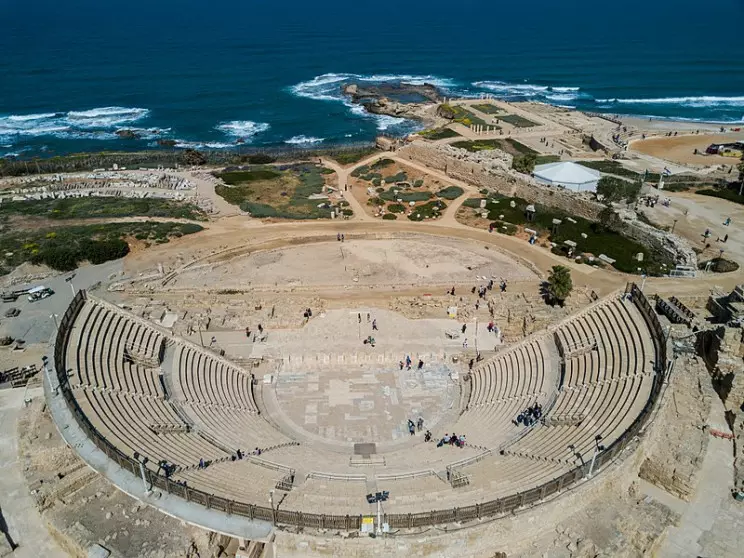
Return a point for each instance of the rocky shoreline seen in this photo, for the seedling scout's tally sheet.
(381, 98)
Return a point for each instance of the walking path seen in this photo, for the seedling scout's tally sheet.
(713, 523)
(24, 524)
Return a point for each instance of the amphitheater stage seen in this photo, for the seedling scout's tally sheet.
(360, 403)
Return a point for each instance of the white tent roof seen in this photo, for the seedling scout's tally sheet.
(566, 172)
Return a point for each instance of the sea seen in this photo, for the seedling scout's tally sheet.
(268, 73)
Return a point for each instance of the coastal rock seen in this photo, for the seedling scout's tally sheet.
(358, 92)
(166, 142)
(128, 134)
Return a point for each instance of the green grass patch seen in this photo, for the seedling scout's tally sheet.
(600, 239)
(432, 210)
(396, 208)
(723, 193)
(438, 134)
(545, 159)
(352, 156)
(518, 121)
(382, 163)
(504, 228)
(405, 195)
(240, 177)
(488, 108)
(102, 207)
(616, 168)
(398, 177)
(390, 216)
(360, 171)
(64, 248)
(284, 194)
(450, 192)
(473, 203)
(460, 114)
(508, 145)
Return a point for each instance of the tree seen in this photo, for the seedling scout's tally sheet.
(524, 163)
(560, 284)
(192, 158)
(741, 170)
(616, 189)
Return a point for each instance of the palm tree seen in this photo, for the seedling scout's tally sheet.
(559, 285)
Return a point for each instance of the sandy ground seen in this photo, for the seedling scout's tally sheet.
(404, 262)
(703, 212)
(680, 149)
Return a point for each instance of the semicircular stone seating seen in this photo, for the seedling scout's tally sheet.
(170, 400)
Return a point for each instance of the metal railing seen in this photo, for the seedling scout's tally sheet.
(500, 506)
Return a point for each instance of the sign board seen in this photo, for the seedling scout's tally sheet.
(368, 524)
(452, 312)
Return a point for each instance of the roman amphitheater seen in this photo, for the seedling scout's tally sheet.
(369, 388)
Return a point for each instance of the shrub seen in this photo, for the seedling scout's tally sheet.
(390, 216)
(260, 159)
(359, 171)
(399, 177)
(418, 183)
(450, 192)
(396, 208)
(524, 163)
(347, 212)
(719, 265)
(193, 158)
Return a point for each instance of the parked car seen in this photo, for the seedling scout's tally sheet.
(12, 312)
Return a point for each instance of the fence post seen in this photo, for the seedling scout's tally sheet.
(478, 511)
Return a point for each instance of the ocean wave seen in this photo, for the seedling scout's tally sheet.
(303, 140)
(530, 91)
(697, 102)
(184, 144)
(242, 128)
(98, 123)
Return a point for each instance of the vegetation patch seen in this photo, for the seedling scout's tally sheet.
(719, 265)
(488, 108)
(545, 159)
(472, 202)
(460, 114)
(397, 177)
(382, 163)
(600, 237)
(438, 134)
(616, 168)
(508, 145)
(504, 228)
(63, 248)
(518, 121)
(102, 207)
(524, 163)
(396, 208)
(282, 192)
(616, 189)
(352, 156)
(450, 192)
(726, 193)
(405, 195)
(390, 217)
(432, 210)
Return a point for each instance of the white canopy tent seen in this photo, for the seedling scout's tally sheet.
(569, 175)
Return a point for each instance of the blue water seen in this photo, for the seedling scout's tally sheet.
(269, 72)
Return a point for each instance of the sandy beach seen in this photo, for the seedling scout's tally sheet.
(681, 149)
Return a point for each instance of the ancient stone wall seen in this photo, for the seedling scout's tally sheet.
(657, 240)
(677, 445)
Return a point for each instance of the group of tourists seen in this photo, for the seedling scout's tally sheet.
(453, 440)
(408, 362)
(529, 416)
(414, 426)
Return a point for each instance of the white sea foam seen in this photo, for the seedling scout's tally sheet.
(243, 129)
(531, 91)
(303, 140)
(700, 102)
(184, 144)
(98, 123)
